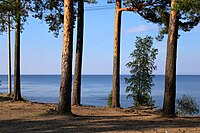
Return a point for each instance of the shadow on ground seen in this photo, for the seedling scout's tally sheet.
(95, 124)
(3, 98)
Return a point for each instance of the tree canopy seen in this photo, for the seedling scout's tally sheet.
(52, 11)
(11, 8)
(158, 12)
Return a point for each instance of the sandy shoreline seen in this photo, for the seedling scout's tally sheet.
(37, 117)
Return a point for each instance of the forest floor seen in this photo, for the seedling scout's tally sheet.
(37, 117)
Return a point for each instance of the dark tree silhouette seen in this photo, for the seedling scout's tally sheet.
(79, 52)
(18, 12)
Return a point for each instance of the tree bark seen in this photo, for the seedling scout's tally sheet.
(170, 70)
(17, 90)
(116, 60)
(79, 52)
(64, 106)
(9, 58)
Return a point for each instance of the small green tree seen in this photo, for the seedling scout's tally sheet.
(141, 69)
(186, 106)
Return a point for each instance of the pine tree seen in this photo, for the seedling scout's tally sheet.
(66, 74)
(79, 52)
(55, 21)
(18, 11)
(172, 16)
(116, 57)
(141, 70)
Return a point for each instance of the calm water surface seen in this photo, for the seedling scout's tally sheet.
(95, 88)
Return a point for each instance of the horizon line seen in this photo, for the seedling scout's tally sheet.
(97, 74)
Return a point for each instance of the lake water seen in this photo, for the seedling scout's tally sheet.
(95, 88)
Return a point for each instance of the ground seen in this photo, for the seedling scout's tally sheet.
(37, 117)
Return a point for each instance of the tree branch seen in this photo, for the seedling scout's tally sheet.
(128, 9)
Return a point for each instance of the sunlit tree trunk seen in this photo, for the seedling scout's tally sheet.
(17, 89)
(116, 59)
(79, 52)
(64, 106)
(9, 58)
(170, 70)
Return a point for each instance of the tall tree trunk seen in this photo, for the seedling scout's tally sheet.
(64, 106)
(170, 70)
(79, 52)
(116, 60)
(17, 90)
(9, 58)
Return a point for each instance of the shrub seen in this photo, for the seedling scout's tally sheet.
(186, 106)
(110, 99)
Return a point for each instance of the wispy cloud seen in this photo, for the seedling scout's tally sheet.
(140, 28)
(197, 28)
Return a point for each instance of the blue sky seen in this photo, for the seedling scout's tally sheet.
(41, 51)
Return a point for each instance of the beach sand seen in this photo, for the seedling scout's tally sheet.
(37, 117)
